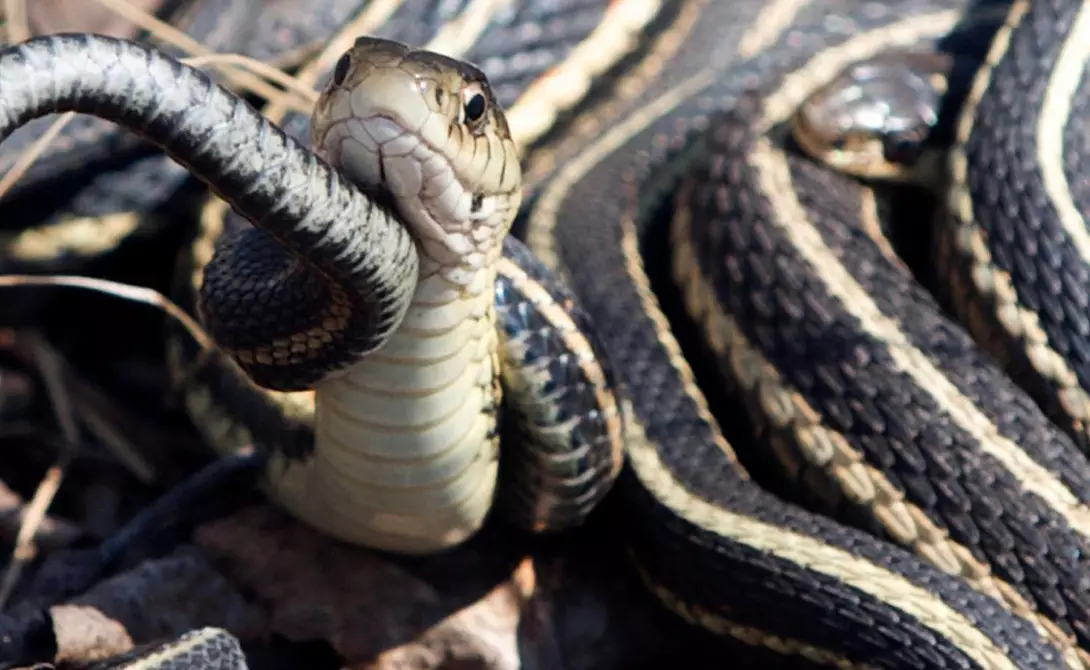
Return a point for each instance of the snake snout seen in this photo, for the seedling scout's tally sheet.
(373, 131)
(389, 132)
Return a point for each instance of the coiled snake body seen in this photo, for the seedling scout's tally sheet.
(412, 427)
(872, 402)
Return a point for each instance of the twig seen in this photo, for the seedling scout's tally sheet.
(31, 153)
(138, 294)
(177, 38)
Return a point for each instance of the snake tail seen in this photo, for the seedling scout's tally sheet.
(315, 215)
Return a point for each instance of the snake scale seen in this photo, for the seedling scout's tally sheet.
(931, 513)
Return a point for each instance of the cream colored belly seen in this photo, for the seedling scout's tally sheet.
(405, 455)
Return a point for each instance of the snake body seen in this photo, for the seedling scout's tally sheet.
(881, 408)
(808, 359)
(423, 411)
(1021, 265)
(404, 451)
(847, 368)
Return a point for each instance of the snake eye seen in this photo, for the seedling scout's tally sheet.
(341, 70)
(475, 105)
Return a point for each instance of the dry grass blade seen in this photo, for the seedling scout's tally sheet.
(32, 152)
(17, 25)
(303, 97)
(137, 294)
(377, 12)
(49, 367)
(102, 418)
(113, 438)
(293, 58)
(177, 38)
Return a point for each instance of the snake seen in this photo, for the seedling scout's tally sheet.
(874, 407)
(959, 507)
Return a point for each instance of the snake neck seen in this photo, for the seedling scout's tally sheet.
(405, 440)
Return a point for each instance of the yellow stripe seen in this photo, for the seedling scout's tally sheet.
(967, 238)
(788, 413)
(719, 625)
(798, 549)
(543, 218)
(565, 85)
(791, 219)
(1055, 112)
(458, 36)
(579, 347)
(774, 19)
(1021, 323)
(860, 574)
(785, 411)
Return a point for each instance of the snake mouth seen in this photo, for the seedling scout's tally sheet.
(391, 139)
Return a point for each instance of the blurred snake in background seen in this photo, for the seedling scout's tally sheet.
(382, 334)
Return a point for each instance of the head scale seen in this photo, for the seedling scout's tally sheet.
(425, 131)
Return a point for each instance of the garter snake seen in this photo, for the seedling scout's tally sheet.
(430, 449)
(1021, 266)
(1012, 251)
(1006, 201)
(713, 544)
(874, 403)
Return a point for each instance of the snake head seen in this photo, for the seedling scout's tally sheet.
(425, 131)
(878, 117)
